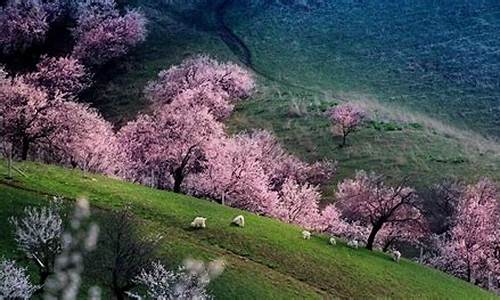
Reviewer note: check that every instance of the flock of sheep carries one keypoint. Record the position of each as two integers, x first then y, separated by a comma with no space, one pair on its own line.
200,222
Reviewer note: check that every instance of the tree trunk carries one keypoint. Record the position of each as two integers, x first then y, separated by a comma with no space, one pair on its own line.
119,294
25,149
373,233
344,139
178,177
44,274
469,275
9,163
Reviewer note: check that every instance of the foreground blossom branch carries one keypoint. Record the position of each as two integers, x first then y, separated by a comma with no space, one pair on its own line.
38,234
81,238
15,282
189,282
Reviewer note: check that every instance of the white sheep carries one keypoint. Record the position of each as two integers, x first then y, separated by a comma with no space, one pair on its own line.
353,244
239,221
332,241
396,255
199,222
306,235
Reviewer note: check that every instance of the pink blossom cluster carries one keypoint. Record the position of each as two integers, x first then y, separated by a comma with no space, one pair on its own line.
22,24
235,176
335,224
102,34
91,146
65,75
202,81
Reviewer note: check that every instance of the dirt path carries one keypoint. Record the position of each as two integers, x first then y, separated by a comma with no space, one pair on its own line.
241,50
237,46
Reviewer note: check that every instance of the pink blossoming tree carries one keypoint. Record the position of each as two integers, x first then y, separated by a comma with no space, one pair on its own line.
346,118
235,176
91,144
411,232
470,249
166,147
102,34
334,224
367,199
299,204
27,114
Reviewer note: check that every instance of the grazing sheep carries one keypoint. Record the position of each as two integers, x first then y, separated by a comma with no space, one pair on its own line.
332,241
353,244
306,235
199,222
239,221
396,255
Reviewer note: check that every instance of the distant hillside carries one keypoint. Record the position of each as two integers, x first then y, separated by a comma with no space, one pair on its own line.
265,260
397,142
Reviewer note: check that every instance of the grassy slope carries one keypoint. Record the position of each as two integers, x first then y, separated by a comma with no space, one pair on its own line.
426,153
266,260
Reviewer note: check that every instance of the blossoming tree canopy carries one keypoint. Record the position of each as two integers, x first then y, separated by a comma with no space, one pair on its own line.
168,145
22,24
63,74
346,118
104,36
27,113
470,249
368,199
219,82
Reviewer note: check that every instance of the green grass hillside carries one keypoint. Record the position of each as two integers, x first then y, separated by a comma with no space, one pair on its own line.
265,260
